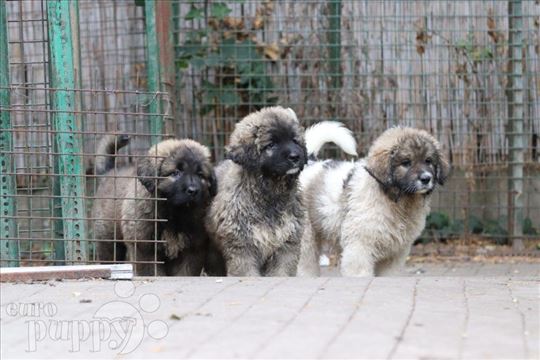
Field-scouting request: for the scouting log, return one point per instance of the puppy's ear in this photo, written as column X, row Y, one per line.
column 213, row 185
column 379, row 164
column 293, row 114
column 443, row 169
column 244, row 155
column 147, row 173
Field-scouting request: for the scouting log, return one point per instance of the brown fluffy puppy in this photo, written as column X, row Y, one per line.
column 178, row 171
column 257, row 217
column 372, row 209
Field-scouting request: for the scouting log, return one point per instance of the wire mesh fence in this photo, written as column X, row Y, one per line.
column 110, row 96
column 439, row 65
column 445, row 66
column 40, row 221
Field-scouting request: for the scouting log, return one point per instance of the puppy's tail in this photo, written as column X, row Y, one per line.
column 329, row 131
column 108, row 147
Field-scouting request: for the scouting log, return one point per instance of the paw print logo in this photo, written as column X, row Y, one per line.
column 121, row 325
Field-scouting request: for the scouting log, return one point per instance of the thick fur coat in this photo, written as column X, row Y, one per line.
column 155, row 210
column 373, row 209
column 257, row 217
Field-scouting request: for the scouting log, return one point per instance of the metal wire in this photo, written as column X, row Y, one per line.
column 437, row 65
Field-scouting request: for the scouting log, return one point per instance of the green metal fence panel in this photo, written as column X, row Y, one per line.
column 9, row 251
column 68, row 144
column 153, row 69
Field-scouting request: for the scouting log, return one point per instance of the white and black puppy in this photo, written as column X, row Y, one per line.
column 374, row 208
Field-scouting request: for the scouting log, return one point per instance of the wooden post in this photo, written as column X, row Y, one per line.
column 67, row 140
column 516, row 138
column 9, row 250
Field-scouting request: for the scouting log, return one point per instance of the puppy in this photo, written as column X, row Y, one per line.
column 372, row 209
column 127, row 208
column 256, row 219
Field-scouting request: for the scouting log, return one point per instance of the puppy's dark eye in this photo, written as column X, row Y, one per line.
column 176, row 172
column 406, row 163
column 270, row 146
column 429, row 161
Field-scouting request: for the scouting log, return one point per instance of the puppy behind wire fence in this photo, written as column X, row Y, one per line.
column 160, row 202
column 115, row 183
column 41, row 221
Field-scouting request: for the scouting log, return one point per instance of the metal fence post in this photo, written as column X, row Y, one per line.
column 9, row 250
column 153, row 62
column 67, row 138
column 516, row 139
column 334, row 51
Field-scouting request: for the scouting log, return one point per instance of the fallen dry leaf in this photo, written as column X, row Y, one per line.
column 258, row 23
column 175, row 317
column 233, row 23
column 271, row 51
column 492, row 27
column 422, row 37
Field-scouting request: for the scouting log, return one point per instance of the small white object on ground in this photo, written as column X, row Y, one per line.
column 324, row 260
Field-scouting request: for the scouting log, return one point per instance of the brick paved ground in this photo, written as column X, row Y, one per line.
column 425, row 314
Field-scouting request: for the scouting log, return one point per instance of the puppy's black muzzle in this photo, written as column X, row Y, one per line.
column 192, row 187
column 192, row 190
column 425, row 178
column 186, row 191
column 296, row 156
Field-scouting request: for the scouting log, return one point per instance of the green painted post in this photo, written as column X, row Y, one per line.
column 68, row 144
column 153, row 70
column 334, row 49
column 9, row 250
column 59, row 245
column 516, row 112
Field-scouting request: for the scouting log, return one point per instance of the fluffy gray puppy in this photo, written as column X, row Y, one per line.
column 256, row 219
column 132, row 225
column 372, row 209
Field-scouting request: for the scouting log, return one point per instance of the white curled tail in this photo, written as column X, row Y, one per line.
column 329, row 131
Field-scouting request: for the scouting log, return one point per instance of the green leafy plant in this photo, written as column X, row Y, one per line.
column 495, row 230
column 528, row 227
column 230, row 61
column 474, row 51
column 439, row 227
